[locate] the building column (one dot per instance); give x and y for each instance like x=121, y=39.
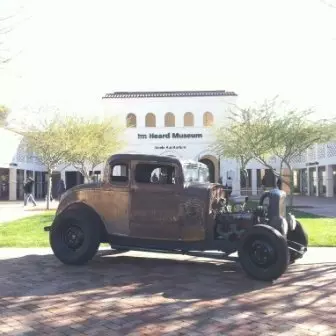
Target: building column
x=254, y=182
x=12, y=184
x=222, y=170
x=301, y=180
x=237, y=180
x=63, y=176
x=308, y=181
x=329, y=181
x=34, y=185
x=317, y=181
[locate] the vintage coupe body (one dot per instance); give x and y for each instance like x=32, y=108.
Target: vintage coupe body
x=158, y=203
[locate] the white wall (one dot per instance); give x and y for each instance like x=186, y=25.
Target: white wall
x=218, y=105
x=193, y=148
x=12, y=153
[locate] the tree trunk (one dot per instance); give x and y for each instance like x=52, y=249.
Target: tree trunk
x=49, y=188
x=281, y=167
x=291, y=185
x=245, y=173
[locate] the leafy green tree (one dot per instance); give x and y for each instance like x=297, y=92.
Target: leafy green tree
x=230, y=145
x=91, y=141
x=56, y=139
x=4, y=113
x=272, y=129
x=47, y=140
x=242, y=135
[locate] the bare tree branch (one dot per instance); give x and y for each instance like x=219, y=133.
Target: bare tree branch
x=330, y=3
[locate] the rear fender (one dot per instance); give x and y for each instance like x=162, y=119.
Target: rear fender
x=94, y=216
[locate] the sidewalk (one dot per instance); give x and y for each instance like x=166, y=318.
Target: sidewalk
x=14, y=210
x=314, y=255
x=320, y=206
x=139, y=293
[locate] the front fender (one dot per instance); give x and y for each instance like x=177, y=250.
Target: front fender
x=82, y=207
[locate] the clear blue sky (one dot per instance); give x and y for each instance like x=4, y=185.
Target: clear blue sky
x=73, y=52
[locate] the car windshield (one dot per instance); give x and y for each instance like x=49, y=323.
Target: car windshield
x=195, y=172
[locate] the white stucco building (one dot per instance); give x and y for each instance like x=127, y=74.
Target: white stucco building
x=176, y=123
x=16, y=165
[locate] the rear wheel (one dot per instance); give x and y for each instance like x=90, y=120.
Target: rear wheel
x=263, y=253
x=74, y=238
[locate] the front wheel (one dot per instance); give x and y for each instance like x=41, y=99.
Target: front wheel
x=263, y=253
x=74, y=239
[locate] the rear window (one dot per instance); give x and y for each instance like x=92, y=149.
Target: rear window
x=155, y=173
x=119, y=173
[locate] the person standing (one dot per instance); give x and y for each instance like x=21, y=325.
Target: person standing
x=229, y=185
x=28, y=192
x=60, y=188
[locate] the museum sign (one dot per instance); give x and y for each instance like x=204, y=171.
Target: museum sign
x=170, y=135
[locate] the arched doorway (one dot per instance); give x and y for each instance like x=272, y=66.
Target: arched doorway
x=211, y=168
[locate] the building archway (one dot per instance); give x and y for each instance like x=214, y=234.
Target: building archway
x=150, y=120
x=131, y=120
x=188, y=119
x=169, y=120
x=212, y=163
x=208, y=119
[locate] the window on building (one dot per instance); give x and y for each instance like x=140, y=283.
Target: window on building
x=188, y=119
x=169, y=120
x=208, y=119
x=150, y=120
x=119, y=173
x=131, y=120
x=154, y=173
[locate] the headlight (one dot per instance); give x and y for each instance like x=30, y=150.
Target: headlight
x=284, y=226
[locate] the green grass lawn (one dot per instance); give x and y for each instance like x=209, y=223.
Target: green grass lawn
x=28, y=232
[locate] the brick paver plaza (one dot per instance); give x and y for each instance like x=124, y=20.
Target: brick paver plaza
x=156, y=294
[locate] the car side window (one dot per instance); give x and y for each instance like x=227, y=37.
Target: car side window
x=155, y=173
x=119, y=173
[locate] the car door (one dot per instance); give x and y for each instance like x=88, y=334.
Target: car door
x=113, y=199
x=155, y=201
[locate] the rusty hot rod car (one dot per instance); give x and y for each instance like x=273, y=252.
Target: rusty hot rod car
x=158, y=203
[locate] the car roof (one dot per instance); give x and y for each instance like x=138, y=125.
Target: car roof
x=143, y=157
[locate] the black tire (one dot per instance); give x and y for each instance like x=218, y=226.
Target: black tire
x=74, y=237
x=263, y=253
x=298, y=235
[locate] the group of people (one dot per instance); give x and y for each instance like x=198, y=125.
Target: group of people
x=28, y=191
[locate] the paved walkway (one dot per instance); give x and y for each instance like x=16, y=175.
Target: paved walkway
x=321, y=206
x=10, y=211
x=158, y=294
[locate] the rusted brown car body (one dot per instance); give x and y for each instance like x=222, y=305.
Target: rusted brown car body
x=132, y=209
x=157, y=215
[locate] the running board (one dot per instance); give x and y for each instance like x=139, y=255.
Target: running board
x=218, y=256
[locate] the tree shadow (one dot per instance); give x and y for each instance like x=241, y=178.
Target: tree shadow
x=121, y=294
